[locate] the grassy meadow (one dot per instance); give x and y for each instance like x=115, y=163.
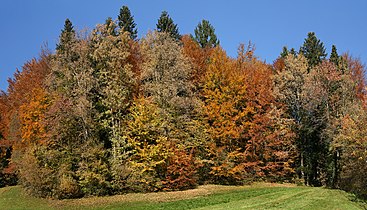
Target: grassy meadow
x=255, y=196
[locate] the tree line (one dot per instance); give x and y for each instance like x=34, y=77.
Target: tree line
x=109, y=113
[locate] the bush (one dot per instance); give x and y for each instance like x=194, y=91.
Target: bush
x=35, y=175
x=93, y=173
x=181, y=171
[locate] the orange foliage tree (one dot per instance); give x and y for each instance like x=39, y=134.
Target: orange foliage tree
x=199, y=58
x=251, y=136
x=19, y=93
x=20, y=89
x=32, y=115
x=357, y=71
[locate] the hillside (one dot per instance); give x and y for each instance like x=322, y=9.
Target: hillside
x=256, y=196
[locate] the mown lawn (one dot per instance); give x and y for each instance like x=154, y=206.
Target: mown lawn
x=257, y=196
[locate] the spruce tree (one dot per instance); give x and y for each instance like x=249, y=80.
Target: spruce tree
x=293, y=51
x=166, y=24
x=313, y=49
x=205, y=36
x=126, y=22
x=66, y=37
x=110, y=27
x=284, y=53
x=334, y=57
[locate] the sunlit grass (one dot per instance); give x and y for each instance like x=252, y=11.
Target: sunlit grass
x=256, y=196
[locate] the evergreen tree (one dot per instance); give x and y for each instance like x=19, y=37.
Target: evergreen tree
x=293, y=52
x=313, y=49
x=110, y=27
x=334, y=57
x=166, y=24
x=284, y=53
x=67, y=36
x=126, y=22
x=205, y=36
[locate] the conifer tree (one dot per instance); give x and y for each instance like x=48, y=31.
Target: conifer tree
x=166, y=24
x=110, y=27
x=334, y=57
x=313, y=49
x=67, y=35
x=293, y=52
x=284, y=53
x=205, y=34
x=126, y=22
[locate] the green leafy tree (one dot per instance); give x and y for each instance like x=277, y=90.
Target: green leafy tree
x=166, y=24
x=126, y=22
x=313, y=49
x=205, y=34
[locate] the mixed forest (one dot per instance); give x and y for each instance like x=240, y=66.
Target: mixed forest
x=108, y=113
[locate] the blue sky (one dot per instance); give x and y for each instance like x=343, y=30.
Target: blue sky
x=26, y=25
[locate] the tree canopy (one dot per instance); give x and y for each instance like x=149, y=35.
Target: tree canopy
x=107, y=113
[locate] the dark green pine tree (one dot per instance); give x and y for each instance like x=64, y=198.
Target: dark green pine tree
x=110, y=27
x=334, y=57
x=67, y=36
x=126, y=22
x=165, y=24
x=284, y=53
x=313, y=49
x=293, y=51
x=205, y=36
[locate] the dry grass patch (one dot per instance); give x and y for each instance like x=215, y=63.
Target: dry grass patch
x=203, y=190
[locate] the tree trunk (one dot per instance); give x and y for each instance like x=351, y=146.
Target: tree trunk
x=302, y=169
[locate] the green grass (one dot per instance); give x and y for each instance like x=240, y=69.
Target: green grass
x=258, y=196
x=14, y=198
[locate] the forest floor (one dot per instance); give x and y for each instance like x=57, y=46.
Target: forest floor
x=255, y=196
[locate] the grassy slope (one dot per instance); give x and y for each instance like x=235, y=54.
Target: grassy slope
x=258, y=196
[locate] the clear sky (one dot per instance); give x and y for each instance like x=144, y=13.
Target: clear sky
x=26, y=25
